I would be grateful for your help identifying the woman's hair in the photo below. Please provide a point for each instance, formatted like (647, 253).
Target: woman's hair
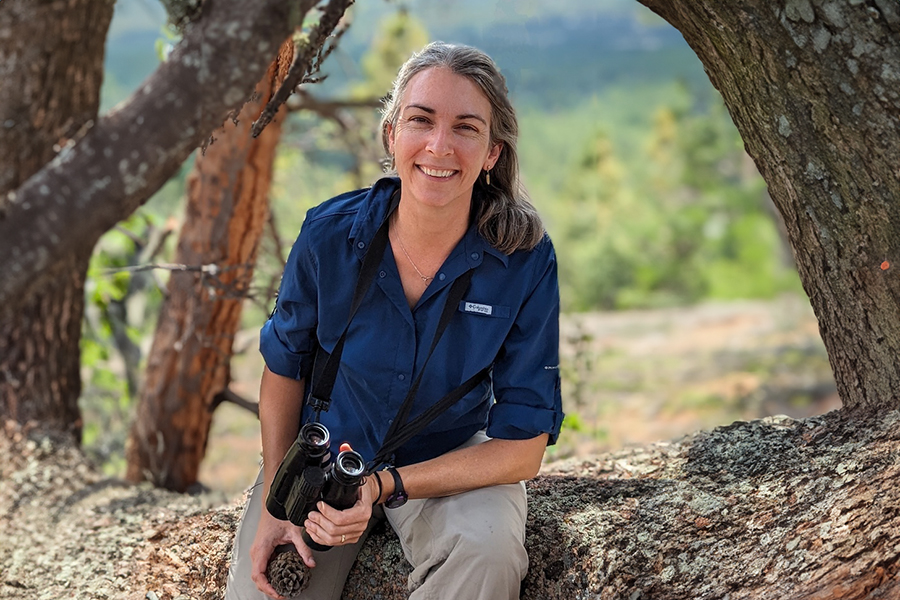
(505, 216)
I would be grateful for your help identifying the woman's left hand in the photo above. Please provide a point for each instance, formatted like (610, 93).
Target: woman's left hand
(332, 527)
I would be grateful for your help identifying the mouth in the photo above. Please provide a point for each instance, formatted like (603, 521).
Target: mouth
(438, 173)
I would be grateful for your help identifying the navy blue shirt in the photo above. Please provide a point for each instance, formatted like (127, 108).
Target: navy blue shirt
(509, 318)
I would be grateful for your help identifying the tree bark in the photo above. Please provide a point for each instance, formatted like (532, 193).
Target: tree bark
(51, 65)
(189, 363)
(814, 88)
(63, 209)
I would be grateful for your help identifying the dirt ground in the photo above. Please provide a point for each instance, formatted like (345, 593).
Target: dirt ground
(629, 378)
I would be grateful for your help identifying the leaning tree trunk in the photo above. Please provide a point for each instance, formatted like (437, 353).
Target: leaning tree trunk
(51, 65)
(814, 88)
(188, 365)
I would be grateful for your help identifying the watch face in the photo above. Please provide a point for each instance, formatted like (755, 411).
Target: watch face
(396, 500)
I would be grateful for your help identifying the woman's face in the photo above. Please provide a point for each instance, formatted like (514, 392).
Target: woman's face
(441, 141)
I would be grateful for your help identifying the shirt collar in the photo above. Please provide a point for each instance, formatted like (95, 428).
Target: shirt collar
(476, 247)
(475, 242)
(375, 208)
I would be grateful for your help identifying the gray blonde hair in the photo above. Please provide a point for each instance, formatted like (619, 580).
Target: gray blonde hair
(505, 216)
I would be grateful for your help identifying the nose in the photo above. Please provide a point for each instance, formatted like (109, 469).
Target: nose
(439, 142)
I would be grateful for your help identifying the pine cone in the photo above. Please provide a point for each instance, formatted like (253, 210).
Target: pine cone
(287, 572)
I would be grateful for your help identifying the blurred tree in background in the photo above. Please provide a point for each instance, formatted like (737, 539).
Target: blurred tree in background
(397, 36)
(683, 218)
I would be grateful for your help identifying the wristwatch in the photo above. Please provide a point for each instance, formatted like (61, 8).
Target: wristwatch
(399, 496)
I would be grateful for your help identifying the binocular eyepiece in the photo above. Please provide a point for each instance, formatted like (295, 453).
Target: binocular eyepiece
(308, 474)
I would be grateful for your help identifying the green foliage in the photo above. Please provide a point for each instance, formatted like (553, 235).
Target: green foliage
(678, 218)
(105, 403)
(398, 36)
(166, 43)
(119, 317)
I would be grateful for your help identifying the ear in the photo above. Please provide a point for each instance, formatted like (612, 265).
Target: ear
(493, 156)
(389, 128)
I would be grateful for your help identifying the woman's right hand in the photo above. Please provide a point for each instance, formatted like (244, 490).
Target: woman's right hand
(270, 534)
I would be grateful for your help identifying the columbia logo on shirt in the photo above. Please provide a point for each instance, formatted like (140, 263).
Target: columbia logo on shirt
(482, 309)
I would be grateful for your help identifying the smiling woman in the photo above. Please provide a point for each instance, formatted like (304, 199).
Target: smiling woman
(470, 267)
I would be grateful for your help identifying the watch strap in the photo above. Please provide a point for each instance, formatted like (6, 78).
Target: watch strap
(399, 496)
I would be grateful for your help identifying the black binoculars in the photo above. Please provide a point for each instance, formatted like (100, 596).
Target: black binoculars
(308, 474)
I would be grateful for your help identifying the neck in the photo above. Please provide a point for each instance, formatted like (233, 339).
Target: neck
(432, 227)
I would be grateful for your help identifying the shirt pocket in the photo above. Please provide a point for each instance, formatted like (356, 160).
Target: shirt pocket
(483, 309)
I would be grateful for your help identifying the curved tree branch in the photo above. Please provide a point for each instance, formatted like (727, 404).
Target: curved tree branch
(123, 159)
(309, 56)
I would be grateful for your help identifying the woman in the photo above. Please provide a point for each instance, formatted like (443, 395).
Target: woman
(451, 133)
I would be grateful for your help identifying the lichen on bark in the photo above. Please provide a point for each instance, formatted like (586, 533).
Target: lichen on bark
(182, 12)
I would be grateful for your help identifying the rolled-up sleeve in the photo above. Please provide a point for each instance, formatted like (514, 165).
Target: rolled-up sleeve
(525, 376)
(287, 340)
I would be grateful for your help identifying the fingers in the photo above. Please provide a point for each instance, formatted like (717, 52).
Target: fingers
(259, 560)
(302, 549)
(334, 527)
(270, 534)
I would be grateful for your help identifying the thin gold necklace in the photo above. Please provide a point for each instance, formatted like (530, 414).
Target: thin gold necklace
(425, 278)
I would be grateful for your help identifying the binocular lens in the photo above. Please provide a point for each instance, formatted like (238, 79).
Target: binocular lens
(350, 463)
(315, 435)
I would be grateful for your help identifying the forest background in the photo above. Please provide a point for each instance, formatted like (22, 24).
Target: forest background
(682, 307)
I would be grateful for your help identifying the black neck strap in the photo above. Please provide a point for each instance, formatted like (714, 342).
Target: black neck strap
(323, 382)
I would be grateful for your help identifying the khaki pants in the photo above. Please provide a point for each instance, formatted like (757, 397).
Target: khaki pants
(464, 547)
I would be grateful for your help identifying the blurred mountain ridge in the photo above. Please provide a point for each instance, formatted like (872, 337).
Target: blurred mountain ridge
(553, 54)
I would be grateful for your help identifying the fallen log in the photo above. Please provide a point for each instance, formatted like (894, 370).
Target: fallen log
(775, 508)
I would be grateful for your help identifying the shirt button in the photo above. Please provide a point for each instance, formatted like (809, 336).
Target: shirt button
(361, 245)
(401, 377)
(382, 274)
(442, 277)
(474, 256)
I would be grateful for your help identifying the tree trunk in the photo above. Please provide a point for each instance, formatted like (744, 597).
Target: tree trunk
(814, 88)
(762, 510)
(51, 64)
(188, 365)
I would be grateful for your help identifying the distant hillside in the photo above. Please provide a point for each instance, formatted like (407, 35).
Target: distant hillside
(553, 54)
(558, 61)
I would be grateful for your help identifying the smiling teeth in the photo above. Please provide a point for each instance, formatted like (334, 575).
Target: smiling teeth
(434, 173)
